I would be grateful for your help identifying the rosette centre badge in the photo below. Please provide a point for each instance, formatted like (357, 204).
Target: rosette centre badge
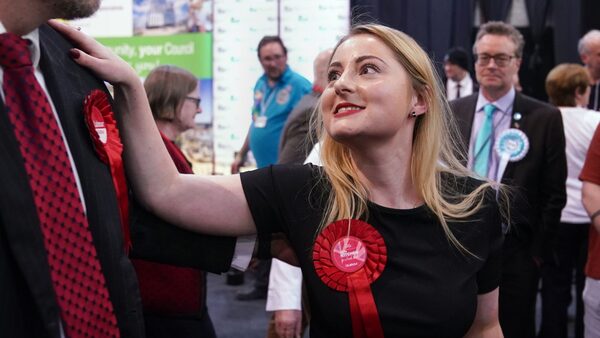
(512, 143)
(349, 254)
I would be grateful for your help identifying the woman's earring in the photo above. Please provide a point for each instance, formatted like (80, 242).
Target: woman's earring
(413, 114)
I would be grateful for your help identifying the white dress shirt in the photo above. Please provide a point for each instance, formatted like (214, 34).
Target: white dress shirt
(466, 87)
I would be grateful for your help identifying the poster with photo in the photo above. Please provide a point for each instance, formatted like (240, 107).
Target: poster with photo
(117, 12)
(167, 17)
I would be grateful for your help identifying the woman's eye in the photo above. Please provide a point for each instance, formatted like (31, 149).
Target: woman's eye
(333, 75)
(369, 69)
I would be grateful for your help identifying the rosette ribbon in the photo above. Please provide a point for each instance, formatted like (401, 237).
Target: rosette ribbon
(348, 256)
(102, 127)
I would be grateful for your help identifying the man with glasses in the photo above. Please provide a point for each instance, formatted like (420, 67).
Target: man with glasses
(519, 141)
(276, 93)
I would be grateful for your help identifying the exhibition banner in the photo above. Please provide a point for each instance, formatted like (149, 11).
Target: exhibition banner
(192, 51)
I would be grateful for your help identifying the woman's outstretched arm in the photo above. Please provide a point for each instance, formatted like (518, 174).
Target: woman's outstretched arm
(213, 205)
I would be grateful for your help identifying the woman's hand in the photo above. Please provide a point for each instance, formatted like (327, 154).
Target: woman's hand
(288, 323)
(98, 58)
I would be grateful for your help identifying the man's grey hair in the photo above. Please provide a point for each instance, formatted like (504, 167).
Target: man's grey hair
(502, 29)
(593, 35)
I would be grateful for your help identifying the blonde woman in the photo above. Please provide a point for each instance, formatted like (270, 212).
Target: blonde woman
(393, 236)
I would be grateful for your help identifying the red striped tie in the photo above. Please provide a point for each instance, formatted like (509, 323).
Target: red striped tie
(80, 287)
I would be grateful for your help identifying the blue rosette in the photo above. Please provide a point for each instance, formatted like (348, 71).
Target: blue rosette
(512, 143)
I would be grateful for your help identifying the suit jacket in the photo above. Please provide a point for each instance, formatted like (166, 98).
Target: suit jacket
(27, 301)
(538, 179)
(295, 144)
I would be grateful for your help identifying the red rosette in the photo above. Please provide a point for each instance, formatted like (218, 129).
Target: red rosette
(102, 126)
(361, 273)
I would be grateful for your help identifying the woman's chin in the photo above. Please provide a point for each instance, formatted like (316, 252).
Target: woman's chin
(344, 136)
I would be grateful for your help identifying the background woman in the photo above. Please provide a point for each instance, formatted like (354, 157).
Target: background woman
(174, 298)
(568, 87)
(393, 236)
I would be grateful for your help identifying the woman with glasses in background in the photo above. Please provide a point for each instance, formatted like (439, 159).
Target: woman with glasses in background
(174, 298)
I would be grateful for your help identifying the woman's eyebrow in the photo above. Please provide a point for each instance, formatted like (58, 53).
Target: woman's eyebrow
(358, 60)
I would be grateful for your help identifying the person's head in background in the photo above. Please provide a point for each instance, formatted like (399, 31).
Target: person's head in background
(498, 50)
(568, 85)
(173, 95)
(456, 64)
(589, 52)
(320, 65)
(272, 55)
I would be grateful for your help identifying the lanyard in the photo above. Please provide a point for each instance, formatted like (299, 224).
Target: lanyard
(265, 102)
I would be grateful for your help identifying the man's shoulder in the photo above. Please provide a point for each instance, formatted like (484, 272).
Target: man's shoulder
(49, 36)
(527, 103)
(458, 105)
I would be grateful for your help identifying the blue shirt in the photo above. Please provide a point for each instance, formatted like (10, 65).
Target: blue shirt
(273, 103)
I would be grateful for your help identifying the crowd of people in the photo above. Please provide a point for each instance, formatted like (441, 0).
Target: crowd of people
(432, 209)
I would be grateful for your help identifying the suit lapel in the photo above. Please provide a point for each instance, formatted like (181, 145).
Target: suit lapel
(68, 85)
(465, 114)
(63, 83)
(517, 124)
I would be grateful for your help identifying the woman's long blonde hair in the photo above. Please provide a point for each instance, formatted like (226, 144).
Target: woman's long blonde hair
(435, 147)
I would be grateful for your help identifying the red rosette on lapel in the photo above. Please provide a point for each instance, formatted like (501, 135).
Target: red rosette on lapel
(348, 256)
(102, 126)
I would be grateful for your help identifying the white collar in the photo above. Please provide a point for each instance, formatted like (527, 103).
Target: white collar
(34, 47)
(465, 80)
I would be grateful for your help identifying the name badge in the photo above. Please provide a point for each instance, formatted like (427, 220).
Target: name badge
(260, 121)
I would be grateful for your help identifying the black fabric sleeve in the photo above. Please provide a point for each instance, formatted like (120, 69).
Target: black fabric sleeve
(488, 277)
(155, 240)
(265, 205)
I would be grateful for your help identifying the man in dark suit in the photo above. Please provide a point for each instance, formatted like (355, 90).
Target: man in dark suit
(37, 289)
(537, 175)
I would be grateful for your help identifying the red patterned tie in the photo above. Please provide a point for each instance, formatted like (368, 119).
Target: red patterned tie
(80, 287)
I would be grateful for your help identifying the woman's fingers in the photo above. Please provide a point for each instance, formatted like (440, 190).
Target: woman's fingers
(91, 54)
(78, 38)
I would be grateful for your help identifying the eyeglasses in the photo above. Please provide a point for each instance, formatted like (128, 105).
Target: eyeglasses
(501, 60)
(196, 100)
(270, 58)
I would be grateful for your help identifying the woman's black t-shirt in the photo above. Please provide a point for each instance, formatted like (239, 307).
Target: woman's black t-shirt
(428, 287)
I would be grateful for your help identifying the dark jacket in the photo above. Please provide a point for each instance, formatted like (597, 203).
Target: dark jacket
(27, 301)
(539, 178)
